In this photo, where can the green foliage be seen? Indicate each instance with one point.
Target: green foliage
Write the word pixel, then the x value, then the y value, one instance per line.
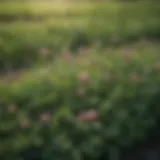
pixel 110 24
pixel 88 105
pixel 82 107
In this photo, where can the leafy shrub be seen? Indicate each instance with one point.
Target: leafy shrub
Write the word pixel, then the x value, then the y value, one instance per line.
pixel 82 106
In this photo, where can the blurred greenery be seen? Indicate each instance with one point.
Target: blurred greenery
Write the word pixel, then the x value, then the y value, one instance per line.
pixel 78 80
pixel 41 109
pixel 114 24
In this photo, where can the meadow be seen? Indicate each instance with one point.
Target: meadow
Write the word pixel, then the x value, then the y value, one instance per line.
pixel 79 80
pixel 68 27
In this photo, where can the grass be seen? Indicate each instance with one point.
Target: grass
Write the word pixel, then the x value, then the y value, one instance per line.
pixel 68 26
pixel 44 10
pixel 48 9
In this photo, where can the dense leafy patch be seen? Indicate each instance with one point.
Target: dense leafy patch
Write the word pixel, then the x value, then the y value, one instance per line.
pixel 83 106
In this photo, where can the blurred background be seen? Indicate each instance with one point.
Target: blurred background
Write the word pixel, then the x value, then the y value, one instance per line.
pixel 79 80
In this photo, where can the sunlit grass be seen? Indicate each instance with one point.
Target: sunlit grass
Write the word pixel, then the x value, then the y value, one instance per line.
pixel 49 7
pixel 39 8
pixel 69 25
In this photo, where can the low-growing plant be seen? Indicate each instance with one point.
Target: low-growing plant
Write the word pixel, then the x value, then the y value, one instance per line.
pixel 81 107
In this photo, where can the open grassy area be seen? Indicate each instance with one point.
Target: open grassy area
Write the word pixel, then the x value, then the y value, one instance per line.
pixel 68 26
pixel 43 10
